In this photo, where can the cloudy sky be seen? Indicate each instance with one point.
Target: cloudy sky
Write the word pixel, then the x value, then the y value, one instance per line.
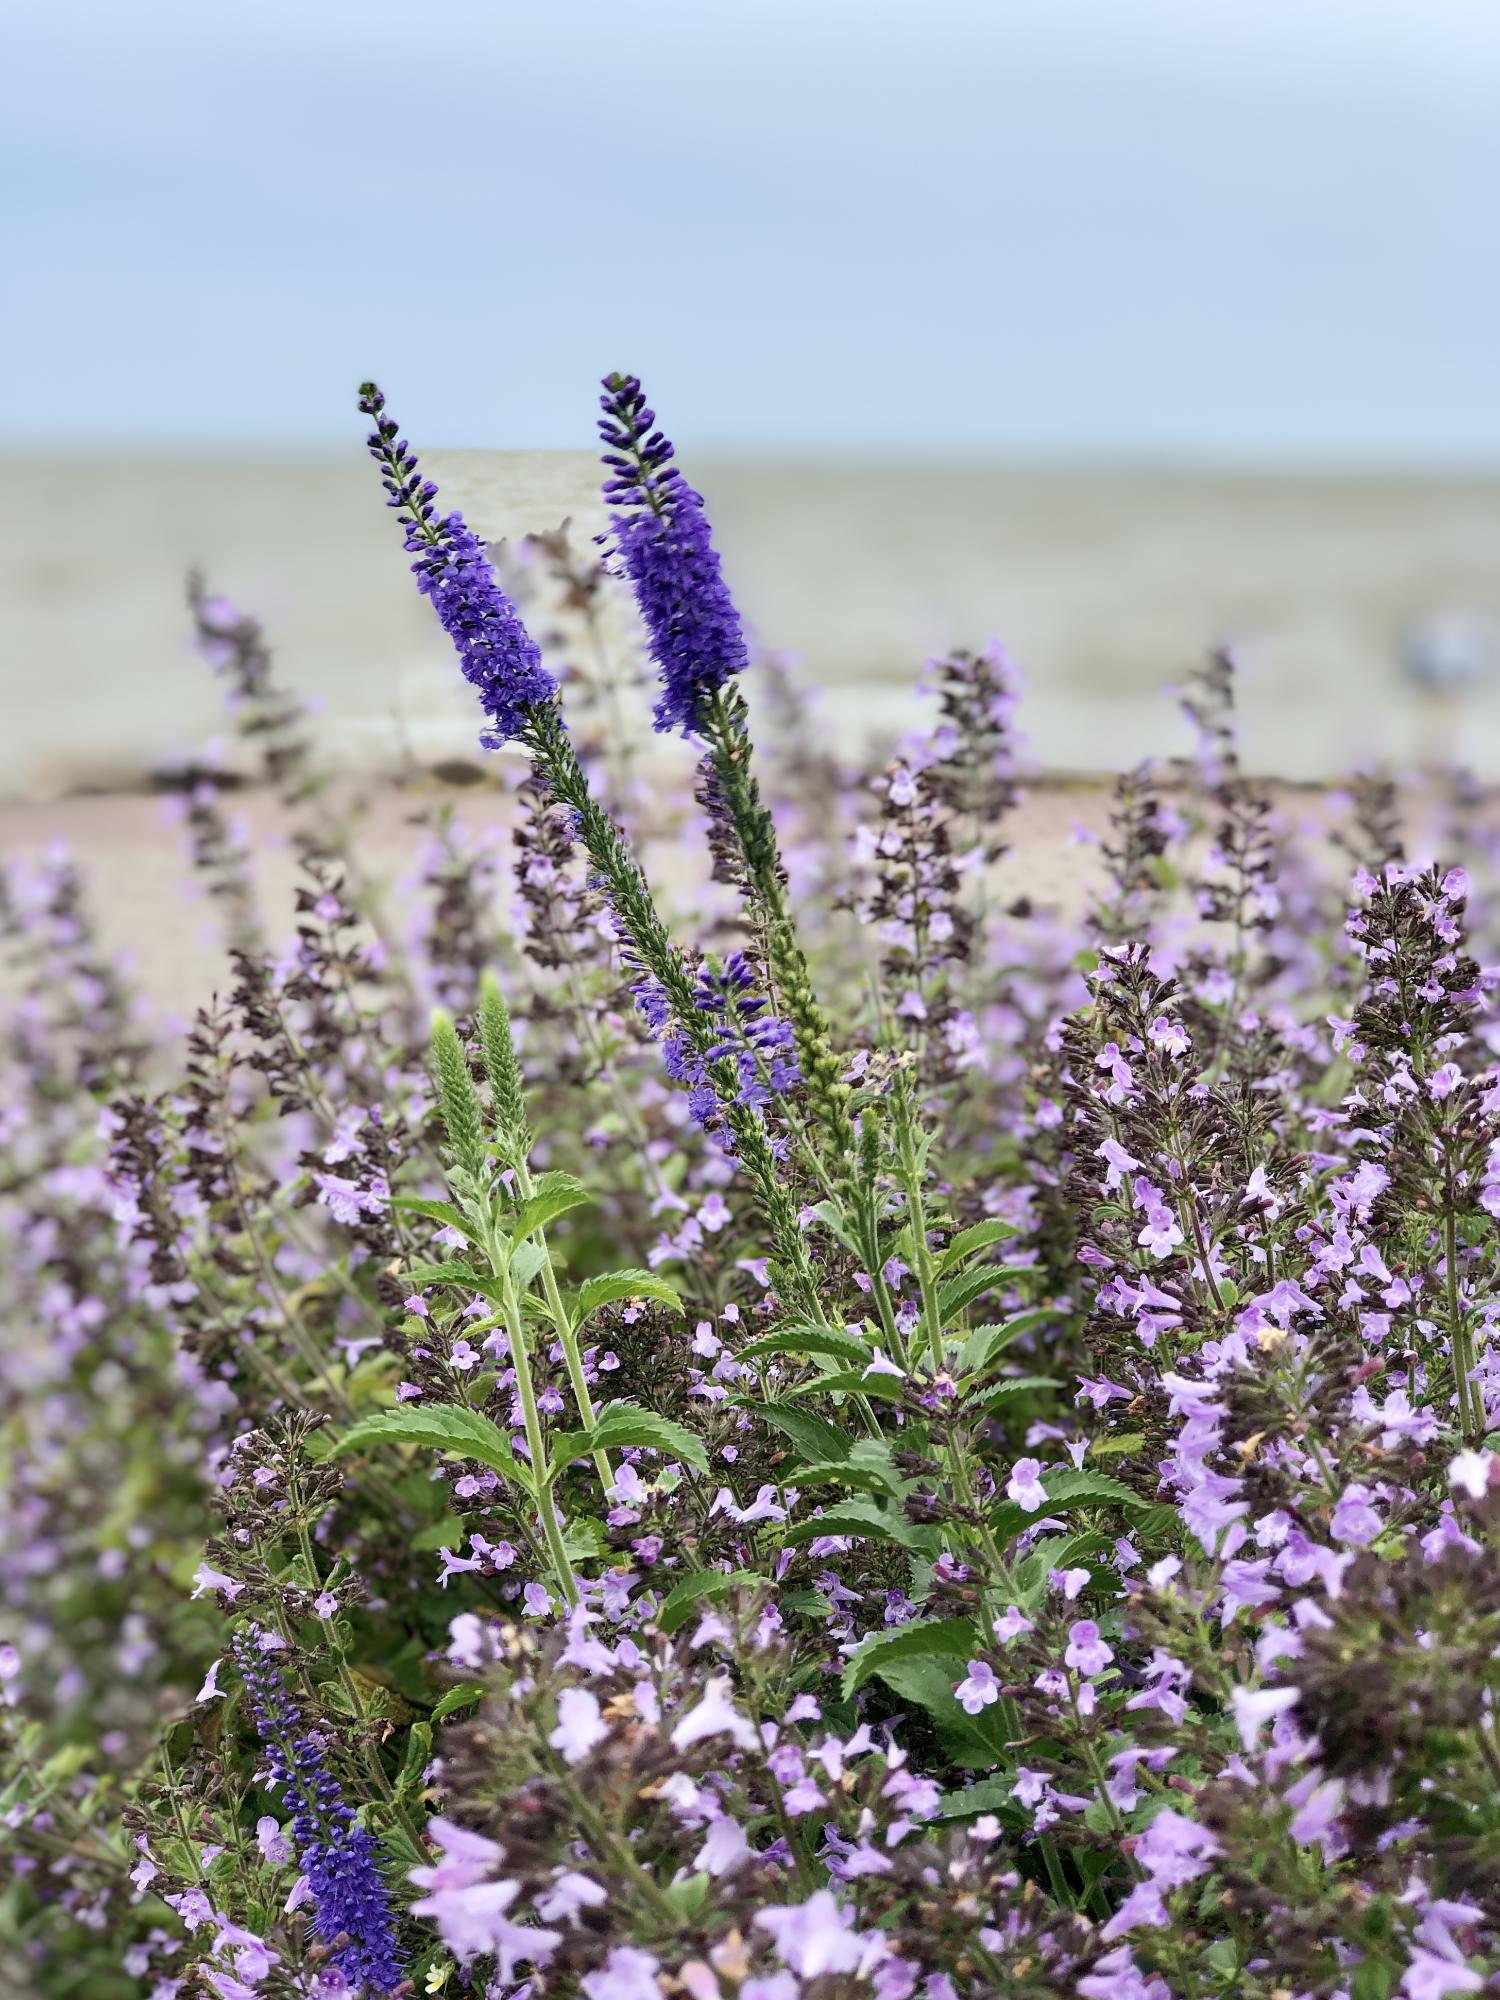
pixel 1190 229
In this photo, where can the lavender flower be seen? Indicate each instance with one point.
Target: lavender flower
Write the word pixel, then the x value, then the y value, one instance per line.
pixel 661 537
pixel 498 655
pixel 337 1855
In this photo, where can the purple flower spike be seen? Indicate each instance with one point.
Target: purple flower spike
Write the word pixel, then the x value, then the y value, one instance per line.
pixel 498 655
pixel 336 1854
pixel 661 537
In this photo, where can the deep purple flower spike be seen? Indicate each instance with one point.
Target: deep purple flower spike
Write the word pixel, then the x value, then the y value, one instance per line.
pixel 661 537
pixel 498 655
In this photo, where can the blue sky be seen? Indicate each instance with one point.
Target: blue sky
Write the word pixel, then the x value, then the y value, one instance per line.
pixel 1183 229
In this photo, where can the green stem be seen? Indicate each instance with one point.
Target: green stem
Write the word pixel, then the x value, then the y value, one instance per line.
pixel 566 1333
pixel 515 1328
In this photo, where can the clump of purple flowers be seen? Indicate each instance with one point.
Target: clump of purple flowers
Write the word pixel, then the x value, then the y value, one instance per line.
pixel 987 1490
pixel 662 541
pixel 340 1860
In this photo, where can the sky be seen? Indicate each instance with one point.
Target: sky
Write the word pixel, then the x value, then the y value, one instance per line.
pixel 1180 230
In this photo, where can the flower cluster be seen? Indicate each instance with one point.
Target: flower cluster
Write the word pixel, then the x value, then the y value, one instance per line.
pixel 647 1482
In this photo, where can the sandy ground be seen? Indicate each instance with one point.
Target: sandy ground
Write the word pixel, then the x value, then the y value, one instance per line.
pixel 148 908
pixel 1104 585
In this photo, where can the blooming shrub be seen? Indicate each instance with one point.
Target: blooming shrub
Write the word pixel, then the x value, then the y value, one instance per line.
pixel 852 1434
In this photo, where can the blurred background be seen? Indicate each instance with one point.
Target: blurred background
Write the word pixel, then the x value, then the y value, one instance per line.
pixel 1113 332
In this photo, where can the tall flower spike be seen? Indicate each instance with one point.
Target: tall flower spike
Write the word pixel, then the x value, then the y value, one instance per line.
pixel 499 656
pixel 336 1854
pixel 661 536
pixel 503 664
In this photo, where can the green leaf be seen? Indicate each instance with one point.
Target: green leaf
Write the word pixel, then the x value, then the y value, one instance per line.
pixel 1013 1385
pixel 821 1340
pixel 851 1382
pixel 1082 1489
pixel 942 1638
pixel 858 1478
pixel 463 1696
pixel 601 1291
pixel 978 1237
pixel 986 1343
pixel 957 1293
pixel 688 1893
pixel 455 1272
pixel 1126 1445
pixel 865 1519
pixel 620 1424
pixel 414 1763
pixel 553 1195
pixel 977 1742
pixel 816 1438
pixel 832 1218
pixel 989 1795
pixel 447 1427
pixel 435 1211
pixel 699 1586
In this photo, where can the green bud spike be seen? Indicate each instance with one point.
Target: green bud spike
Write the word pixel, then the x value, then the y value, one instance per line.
pixel 507 1092
pixel 458 1101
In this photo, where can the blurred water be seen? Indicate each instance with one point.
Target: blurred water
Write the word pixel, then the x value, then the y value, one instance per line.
pixel 1105 584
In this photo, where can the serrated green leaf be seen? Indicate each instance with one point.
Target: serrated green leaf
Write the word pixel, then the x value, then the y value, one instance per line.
pixel 955 1294
pixel 414 1763
pixel 986 1344
pixel 818 1440
pixel 851 1382
pixel 1081 1489
pixel 463 1696
pixel 435 1211
pixel 1123 1446
pixel 603 1290
pixel 1013 1385
pixel 446 1427
pixel 619 1424
pixel 821 1340
pixel 942 1638
pixel 553 1195
pixel 858 1478
pixel 976 1742
pixel 864 1519
pixel 700 1586
pixel 978 1237
pixel 989 1795
pixel 454 1272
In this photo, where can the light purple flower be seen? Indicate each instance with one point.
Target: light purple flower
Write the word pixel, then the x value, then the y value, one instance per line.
pixel 979 1689
pixel 1025 1485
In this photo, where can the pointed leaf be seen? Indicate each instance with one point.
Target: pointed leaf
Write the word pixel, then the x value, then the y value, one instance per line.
pixel 986 1344
pixel 942 1638
pixel 1014 1385
pixel 825 1341
pixel 435 1211
pixel 455 1272
pixel 702 1586
pixel 446 1427
pixel 553 1195
pixel 601 1291
pixel 619 1424
pixel 968 1241
pixel 814 1436
pixel 955 1294
pixel 463 1696
pixel 868 1521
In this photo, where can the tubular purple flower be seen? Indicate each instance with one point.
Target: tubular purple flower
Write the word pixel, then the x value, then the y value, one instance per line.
pixel 661 537
pixel 498 655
